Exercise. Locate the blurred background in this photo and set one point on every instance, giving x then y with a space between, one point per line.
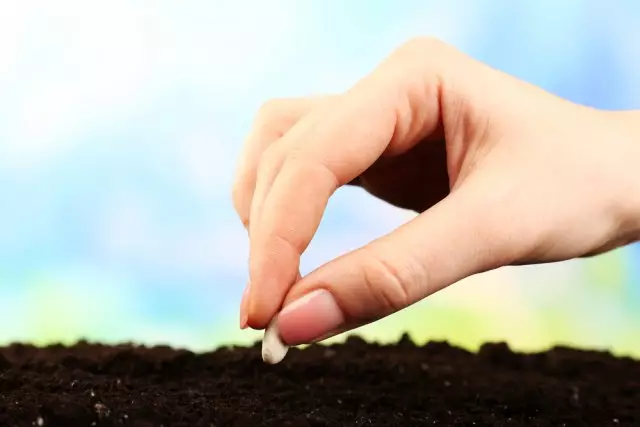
121 121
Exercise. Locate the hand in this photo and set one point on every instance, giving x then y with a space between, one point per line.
501 172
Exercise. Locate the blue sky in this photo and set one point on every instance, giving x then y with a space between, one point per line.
120 125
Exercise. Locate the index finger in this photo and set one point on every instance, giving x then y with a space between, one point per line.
274 119
333 148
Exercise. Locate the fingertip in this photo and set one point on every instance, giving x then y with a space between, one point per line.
260 306
267 294
260 311
243 307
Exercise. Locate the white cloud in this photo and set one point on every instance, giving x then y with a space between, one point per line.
11 29
74 65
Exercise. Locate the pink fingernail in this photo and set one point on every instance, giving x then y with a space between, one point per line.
310 317
243 307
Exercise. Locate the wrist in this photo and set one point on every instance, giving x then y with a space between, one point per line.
626 139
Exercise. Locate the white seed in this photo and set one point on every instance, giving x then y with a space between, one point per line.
273 349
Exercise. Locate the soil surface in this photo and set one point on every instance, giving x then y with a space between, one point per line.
354 384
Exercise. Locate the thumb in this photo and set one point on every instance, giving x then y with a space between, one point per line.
452 240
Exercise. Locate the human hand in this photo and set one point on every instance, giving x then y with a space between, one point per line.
501 172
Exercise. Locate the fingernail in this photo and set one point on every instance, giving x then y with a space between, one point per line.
243 307
309 318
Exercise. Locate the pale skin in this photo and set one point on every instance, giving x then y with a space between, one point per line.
500 171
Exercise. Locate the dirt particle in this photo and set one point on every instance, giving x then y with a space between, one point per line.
101 410
575 394
329 353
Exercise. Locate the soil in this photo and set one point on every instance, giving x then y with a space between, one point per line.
352 384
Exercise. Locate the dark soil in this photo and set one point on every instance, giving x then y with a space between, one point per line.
355 384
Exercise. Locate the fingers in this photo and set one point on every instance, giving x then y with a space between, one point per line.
294 184
274 119
391 109
451 241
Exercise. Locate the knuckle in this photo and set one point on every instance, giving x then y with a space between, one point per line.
288 244
420 57
387 283
307 169
237 197
242 214
422 44
271 110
